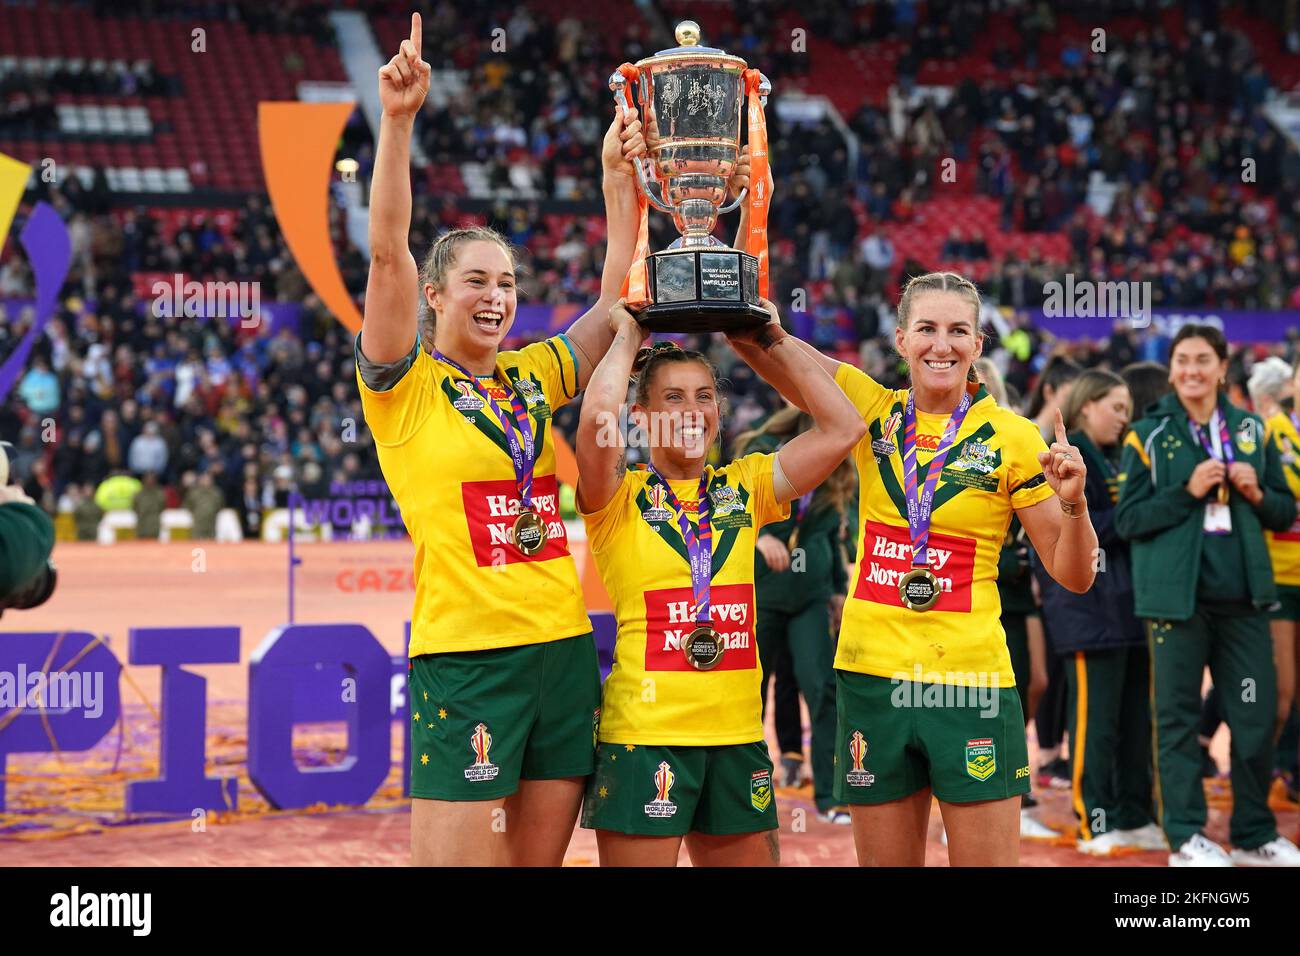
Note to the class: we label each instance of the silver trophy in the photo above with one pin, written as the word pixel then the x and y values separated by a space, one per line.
pixel 690 99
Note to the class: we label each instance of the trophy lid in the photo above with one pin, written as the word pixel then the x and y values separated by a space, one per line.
pixel 688 39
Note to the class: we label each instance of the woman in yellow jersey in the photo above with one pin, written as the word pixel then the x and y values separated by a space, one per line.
pixel 681 751
pixel 926 696
pixel 504 684
pixel 1283 429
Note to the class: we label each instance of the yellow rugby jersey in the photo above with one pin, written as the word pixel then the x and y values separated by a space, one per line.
pixel 1284 546
pixel 653 695
pixel 448 466
pixel 990 470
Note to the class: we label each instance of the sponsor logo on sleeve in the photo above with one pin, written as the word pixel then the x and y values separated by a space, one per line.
pixel 670 618
pixel 887 556
pixel 981 758
pixel 490 511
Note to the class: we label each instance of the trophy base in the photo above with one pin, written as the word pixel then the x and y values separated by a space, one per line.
pixel 707 289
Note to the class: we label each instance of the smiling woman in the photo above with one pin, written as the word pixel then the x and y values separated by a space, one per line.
pixel 1200 481
pixel 674 545
pixel 942 471
pixel 504 684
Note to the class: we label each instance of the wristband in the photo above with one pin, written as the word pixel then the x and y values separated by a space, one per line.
pixel 1073 509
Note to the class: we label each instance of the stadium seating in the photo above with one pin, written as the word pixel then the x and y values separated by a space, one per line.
pixel 206 130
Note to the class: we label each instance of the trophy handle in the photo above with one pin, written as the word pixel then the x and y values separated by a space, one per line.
pixel 644 179
pixel 735 202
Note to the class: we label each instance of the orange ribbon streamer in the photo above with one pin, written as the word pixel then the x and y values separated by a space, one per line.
pixel 636 285
pixel 758 197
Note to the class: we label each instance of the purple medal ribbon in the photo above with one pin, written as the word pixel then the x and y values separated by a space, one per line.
pixel 699 545
pixel 801 505
pixel 1220 424
pixel 918 506
pixel 524 456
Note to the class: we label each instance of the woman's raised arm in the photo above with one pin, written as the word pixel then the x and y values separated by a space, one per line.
pixel 393 288
pixel 599 445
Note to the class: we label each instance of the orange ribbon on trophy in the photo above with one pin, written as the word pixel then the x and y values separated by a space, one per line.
pixel 636 285
pixel 755 241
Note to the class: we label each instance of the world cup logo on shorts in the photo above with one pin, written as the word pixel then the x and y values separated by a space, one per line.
pixel 857 776
pixel 662 805
pixel 480 742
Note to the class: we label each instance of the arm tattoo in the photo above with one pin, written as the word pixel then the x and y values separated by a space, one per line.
pixel 769 335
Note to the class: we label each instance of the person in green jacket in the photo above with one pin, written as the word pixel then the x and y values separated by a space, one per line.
pixel 1199 483
pixel 800 579
pixel 27 577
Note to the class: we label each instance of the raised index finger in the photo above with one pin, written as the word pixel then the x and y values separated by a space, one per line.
pixel 1060 429
pixel 417 33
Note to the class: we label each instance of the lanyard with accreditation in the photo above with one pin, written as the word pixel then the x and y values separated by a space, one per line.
pixel 1218 445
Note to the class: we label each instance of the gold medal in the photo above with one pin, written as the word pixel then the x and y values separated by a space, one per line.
pixel 703 648
pixel 1223 494
pixel 530 532
pixel 919 589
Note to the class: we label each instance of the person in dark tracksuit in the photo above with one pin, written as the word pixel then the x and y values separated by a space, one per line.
pixel 1199 483
pixel 800 579
pixel 27 577
pixel 1102 641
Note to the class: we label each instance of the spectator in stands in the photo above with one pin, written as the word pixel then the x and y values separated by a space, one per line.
pixel 878 253
pixel 86 514
pixel 39 388
pixel 954 247
pixel 203 501
pixel 148 451
pixel 149 504
pixel 117 491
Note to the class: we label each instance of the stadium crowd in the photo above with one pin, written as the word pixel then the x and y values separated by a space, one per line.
pixel 1170 118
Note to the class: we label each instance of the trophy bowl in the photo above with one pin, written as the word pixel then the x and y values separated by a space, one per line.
pixel 691 99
